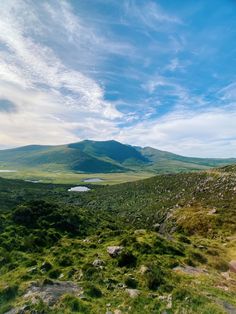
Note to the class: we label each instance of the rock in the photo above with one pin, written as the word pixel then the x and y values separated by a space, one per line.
pixel 169 302
pixel 114 251
pixel 98 263
pixel 190 270
pixel 212 212
pixel 232 266
pixel 156 226
pixel 143 269
pixel 117 311
pixel 50 293
pixel 226 275
pixel 133 293
pixel 20 310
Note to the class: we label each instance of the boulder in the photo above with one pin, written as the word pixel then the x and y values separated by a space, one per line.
pixel 232 266
pixel 143 269
pixel 133 293
pixel 190 270
pixel 114 251
pixel 50 292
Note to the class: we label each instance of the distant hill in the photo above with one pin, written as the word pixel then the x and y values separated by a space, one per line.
pixel 103 157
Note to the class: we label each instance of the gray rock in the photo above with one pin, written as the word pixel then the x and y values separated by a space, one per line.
pixel 50 293
pixel 232 266
pixel 190 270
pixel 114 251
pixel 133 293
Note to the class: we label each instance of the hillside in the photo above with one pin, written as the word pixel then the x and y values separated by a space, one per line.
pixel 160 245
pixel 102 157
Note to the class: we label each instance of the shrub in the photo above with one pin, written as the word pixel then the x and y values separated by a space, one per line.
pixel 65 261
pixel 74 304
pixel 198 257
pixel 155 278
pixel 93 291
pixel 131 282
pixel 127 259
pixel 8 293
pixel 54 273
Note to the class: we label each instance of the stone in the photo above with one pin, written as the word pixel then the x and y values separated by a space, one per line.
pixel 133 293
pixel 212 212
pixel 156 226
pixel 190 270
pixel 114 251
pixel 232 266
pixel 225 275
pixel 98 263
pixel 143 269
pixel 50 293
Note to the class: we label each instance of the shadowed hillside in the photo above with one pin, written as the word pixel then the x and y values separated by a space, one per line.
pixel 102 157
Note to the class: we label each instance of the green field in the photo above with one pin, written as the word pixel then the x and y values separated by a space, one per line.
pixel 75 178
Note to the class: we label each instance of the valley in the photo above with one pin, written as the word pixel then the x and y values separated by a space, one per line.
pixel 165 244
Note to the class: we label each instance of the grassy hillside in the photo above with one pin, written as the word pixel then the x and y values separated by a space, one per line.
pixel 176 236
pixel 102 157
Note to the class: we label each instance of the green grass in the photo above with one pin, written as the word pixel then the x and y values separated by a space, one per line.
pixel 74 178
pixel 48 234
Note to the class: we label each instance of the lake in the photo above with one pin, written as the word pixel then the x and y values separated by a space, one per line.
pixel 79 189
pixel 91 180
pixel 8 170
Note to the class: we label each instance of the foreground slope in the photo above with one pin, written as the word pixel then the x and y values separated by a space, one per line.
pixel 161 245
pixel 102 157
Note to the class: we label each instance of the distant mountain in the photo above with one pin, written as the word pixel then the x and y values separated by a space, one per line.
pixel 103 157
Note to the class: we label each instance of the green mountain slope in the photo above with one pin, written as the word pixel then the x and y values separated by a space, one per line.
pixel 104 157
pixel 176 235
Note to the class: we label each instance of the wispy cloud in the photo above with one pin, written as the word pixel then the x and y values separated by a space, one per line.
pixel 46 91
pixel 150 14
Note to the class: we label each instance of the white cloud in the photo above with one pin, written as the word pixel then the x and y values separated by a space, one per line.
pixel 50 96
pixel 205 134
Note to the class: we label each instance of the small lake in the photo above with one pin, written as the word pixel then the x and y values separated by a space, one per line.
pixel 91 180
pixel 8 170
pixel 33 181
pixel 79 189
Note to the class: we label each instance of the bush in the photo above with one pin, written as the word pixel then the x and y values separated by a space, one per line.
pixel 65 261
pixel 127 259
pixel 93 291
pixel 54 273
pixel 131 283
pixel 74 304
pixel 198 257
pixel 155 278
pixel 8 293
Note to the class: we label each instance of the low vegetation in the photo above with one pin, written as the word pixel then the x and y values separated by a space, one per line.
pixel 160 245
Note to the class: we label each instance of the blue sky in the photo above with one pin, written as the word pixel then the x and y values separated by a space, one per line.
pixel 150 73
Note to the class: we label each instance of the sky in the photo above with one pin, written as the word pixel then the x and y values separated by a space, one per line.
pixel 158 73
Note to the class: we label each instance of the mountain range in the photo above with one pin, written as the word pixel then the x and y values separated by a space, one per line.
pixel 103 157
